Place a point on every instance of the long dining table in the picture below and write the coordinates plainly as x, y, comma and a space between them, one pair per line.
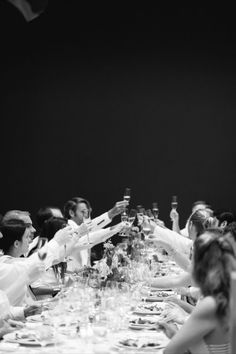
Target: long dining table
85, 320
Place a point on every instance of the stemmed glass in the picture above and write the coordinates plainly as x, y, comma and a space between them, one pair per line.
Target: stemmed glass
127, 194
155, 210
174, 202
132, 216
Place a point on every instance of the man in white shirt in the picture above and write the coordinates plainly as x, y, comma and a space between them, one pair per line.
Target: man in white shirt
78, 210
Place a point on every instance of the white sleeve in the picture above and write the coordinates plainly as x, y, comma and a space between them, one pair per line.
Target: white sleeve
180, 243
17, 313
13, 281
100, 221
97, 237
53, 254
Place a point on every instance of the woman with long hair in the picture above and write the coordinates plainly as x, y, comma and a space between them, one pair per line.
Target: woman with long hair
207, 329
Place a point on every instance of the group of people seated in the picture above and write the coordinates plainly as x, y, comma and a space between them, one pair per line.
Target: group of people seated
30, 270
32, 265
199, 321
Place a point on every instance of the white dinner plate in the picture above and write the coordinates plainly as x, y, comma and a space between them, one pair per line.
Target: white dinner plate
160, 345
29, 342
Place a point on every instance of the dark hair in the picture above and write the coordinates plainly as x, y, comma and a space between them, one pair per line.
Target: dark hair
72, 205
202, 219
44, 214
225, 215
11, 230
231, 228
213, 262
51, 226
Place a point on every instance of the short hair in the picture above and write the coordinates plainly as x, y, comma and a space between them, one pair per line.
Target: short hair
11, 231
44, 214
72, 205
14, 215
51, 226
225, 215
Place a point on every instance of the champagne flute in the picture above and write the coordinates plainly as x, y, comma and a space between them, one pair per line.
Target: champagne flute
155, 210
132, 216
174, 202
124, 218
127, 194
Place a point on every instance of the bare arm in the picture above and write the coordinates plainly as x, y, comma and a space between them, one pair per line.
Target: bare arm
177, 281
201, 322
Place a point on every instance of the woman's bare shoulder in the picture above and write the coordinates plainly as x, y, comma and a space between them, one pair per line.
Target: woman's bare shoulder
206, 308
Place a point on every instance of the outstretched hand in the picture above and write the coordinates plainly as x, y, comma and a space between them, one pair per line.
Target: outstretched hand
118, 208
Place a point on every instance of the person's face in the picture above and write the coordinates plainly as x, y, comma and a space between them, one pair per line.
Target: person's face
82, 212
23, 245
28, 222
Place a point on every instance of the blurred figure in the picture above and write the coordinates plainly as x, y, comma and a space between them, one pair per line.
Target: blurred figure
30, 9
174, 215
42, 216
207, 328
225, 217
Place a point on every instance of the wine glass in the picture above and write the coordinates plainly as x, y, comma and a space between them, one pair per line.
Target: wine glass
174, 202
127, 194
146, 227
132, 216
124, 218
155, 210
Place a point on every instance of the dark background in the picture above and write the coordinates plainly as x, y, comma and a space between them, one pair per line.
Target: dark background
96, 98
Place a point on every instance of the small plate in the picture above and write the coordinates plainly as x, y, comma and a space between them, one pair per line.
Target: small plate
27, 342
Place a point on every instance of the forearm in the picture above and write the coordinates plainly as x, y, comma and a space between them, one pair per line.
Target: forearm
172, 282
186, 306
175, 226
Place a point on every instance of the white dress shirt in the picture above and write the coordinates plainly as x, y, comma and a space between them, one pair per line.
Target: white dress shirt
178, 242
7, 311
80, 255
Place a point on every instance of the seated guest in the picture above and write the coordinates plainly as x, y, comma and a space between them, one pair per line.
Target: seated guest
179, 248
224, 217
51, 279
77, 210
15, 241
20, 215
207, 329
174, 215
43, 215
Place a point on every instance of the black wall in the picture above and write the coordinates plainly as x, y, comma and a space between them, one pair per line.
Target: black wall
96, 99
